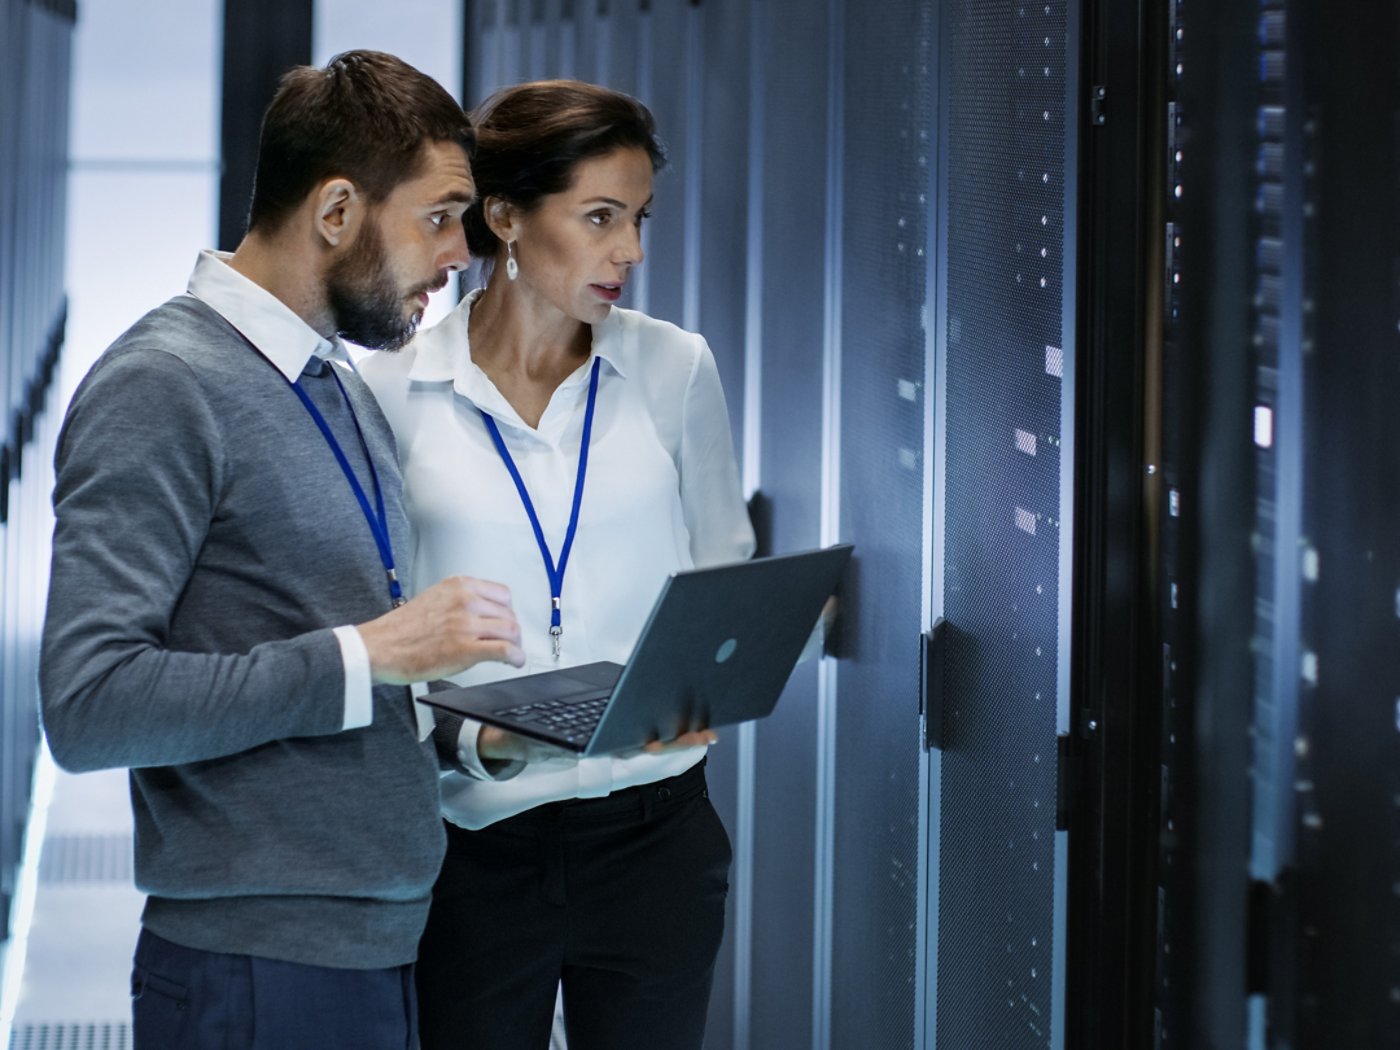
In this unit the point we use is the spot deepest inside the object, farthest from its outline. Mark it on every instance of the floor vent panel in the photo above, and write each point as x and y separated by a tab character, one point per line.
77	1035
86	859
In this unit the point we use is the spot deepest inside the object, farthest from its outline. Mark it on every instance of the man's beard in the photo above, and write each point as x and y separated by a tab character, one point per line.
364	301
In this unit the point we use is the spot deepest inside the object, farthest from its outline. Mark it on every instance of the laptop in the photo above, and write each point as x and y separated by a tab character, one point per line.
717	649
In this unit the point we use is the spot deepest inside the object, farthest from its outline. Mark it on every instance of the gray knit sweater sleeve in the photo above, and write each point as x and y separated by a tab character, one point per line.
141	466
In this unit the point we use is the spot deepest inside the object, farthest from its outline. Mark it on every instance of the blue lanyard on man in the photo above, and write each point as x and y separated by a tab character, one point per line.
376	519
555	573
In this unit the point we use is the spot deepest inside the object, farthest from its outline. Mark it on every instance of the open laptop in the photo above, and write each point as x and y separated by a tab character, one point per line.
717	649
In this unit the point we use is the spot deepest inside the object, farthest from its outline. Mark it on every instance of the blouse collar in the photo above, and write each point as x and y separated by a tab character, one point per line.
444	355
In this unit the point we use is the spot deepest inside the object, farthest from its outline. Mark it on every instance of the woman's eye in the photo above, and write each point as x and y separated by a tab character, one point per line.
600	218
643	216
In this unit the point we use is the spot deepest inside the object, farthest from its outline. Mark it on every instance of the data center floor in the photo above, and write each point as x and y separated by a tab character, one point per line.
74	989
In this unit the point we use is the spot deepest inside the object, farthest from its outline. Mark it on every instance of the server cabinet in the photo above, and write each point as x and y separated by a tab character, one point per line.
717	279
881	117
793	76
848	189
261	41
1263	249
35	59
1003	516
1222	615
1346	924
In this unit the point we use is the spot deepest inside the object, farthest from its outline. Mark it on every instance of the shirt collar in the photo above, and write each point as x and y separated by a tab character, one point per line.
264	320
439	356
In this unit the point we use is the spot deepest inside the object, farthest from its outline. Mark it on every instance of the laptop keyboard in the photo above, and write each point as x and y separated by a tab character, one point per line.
574	719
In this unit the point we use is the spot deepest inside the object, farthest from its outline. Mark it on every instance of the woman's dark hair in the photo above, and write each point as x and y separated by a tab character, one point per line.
531	137
365	117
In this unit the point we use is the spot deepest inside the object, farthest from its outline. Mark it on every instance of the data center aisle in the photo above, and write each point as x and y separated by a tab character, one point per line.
75	991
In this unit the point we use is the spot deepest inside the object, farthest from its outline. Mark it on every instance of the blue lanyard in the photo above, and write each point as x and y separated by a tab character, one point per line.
377	520
556	574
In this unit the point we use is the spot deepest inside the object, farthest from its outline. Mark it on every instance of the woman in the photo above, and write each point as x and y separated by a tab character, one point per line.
607	875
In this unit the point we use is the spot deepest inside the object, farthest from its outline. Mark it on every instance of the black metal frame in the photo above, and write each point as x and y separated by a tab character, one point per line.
262	40
1116	675
1216	369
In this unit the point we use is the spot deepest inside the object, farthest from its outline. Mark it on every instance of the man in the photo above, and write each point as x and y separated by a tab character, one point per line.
223	607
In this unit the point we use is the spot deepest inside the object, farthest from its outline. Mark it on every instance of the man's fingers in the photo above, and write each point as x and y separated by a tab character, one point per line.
508	653
454	624
487	609
497	593
502	651
504	628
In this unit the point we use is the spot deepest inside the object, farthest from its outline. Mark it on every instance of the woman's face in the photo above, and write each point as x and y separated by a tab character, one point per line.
577	248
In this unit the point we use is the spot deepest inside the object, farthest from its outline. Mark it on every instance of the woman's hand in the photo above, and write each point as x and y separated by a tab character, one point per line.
826	623
698	738
501	745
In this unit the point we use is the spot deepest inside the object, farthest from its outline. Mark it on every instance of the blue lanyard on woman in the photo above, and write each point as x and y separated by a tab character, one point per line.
555	573
377	520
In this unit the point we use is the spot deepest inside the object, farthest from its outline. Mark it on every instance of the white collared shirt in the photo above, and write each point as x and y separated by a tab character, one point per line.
661	494
289	343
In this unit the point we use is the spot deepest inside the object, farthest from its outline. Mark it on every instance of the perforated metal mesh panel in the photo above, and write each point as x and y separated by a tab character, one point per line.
886	152
664	84
723	166
481	61
1005	75
794	209
619	58
719	277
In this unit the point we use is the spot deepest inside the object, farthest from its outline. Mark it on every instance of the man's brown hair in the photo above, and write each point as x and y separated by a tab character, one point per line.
365	117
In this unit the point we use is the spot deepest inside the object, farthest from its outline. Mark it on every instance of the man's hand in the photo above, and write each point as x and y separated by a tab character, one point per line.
451	626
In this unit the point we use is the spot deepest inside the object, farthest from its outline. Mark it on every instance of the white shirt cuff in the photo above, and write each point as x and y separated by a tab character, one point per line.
359	696
466	750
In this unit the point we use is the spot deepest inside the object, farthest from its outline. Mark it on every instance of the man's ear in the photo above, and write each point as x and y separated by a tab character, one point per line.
339	211
502	218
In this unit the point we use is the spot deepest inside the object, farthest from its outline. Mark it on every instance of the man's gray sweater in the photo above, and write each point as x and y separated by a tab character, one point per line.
206	544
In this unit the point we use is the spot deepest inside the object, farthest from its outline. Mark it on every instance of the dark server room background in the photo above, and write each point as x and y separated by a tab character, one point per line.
1081	320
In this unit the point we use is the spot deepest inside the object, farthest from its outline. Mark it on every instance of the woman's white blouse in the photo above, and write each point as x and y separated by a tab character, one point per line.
661	494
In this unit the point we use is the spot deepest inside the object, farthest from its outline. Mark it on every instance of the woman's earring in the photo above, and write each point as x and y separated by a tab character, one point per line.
512	267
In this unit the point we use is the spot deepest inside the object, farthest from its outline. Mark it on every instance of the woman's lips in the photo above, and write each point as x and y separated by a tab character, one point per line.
608	292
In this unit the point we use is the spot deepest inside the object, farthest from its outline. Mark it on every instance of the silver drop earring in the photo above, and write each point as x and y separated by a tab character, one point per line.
512	267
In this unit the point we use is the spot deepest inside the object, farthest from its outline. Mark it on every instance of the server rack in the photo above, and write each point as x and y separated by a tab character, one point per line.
1343	84
1066	314
35	58
819	227
1252	169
